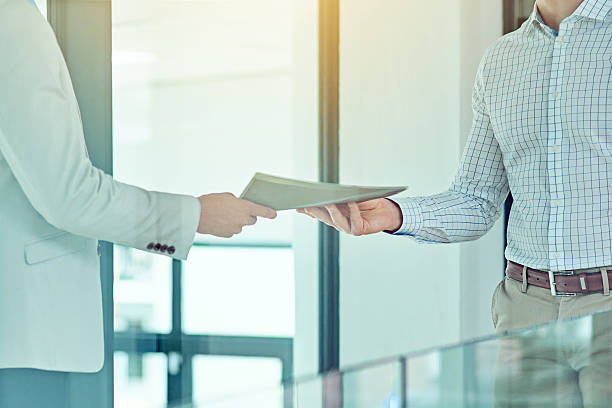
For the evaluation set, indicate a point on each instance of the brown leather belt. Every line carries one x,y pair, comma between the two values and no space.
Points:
567,283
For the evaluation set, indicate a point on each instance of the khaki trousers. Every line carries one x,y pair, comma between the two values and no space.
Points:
564,364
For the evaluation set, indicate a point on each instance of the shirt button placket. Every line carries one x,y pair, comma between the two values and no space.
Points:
554,155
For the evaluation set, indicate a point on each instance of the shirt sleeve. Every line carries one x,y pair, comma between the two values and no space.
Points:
475,199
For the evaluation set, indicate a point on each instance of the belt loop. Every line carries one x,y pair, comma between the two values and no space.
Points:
583,283
606,282
524,287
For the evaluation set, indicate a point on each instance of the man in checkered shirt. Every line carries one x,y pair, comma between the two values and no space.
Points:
542,130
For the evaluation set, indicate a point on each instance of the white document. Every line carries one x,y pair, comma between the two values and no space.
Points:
286,194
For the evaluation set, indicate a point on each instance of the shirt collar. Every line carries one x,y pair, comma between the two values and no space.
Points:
535,19
594,9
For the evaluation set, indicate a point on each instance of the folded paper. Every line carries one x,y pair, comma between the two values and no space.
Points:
285,194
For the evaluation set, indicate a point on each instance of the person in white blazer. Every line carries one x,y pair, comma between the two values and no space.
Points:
55,205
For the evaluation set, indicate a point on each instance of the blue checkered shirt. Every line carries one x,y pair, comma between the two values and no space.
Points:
543,130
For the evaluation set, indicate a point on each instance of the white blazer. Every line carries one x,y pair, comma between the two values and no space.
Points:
54,206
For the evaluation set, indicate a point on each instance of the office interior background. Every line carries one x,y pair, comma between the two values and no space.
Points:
194,97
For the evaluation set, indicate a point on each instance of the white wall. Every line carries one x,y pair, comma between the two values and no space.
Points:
407,70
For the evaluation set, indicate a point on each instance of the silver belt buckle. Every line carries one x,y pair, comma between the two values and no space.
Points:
553,284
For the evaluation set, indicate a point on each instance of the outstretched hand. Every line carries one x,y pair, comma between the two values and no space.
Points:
224,214
359,219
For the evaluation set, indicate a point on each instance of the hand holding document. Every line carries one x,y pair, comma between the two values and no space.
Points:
354,210
224,215
286,194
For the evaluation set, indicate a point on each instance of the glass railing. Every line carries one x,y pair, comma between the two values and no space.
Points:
566,363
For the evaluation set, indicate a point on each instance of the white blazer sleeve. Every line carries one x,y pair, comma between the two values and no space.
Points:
41,138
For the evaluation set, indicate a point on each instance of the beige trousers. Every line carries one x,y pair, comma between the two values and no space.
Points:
565,364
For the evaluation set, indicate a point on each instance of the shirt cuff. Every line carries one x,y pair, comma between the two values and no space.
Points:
412,216
199,210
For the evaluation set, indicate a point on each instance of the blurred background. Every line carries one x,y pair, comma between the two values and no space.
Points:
204,95
207,92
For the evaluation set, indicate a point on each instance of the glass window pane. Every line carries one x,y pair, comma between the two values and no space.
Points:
205,94
203,97
218,379
140,380
239,291
142,291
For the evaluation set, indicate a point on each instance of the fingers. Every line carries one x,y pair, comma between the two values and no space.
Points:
369,205
339,219
261,211
344,217
224,215
355,219
321,214
305,212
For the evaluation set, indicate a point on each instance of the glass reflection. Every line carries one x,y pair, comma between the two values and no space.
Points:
566,363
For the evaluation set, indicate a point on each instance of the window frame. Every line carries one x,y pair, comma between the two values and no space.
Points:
183,347
88,26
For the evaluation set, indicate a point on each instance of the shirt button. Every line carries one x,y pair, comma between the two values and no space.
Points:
164,248
171,250
555,149
556,203
555,255
555,95
150,246
157,246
